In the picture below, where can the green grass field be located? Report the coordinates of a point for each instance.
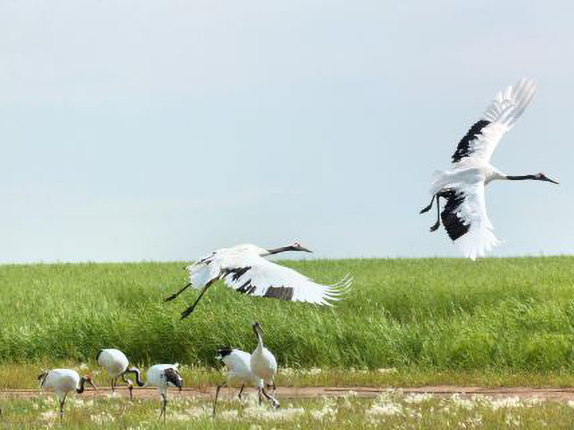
(419, 316)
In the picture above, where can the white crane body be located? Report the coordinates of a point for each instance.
(163, 376)
(464, 216)
(63, 382)
(238, 371)
(117, 365)
(264, 366)
(243, 269)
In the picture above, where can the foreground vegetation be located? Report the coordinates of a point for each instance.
(504, 316)
(392, 410)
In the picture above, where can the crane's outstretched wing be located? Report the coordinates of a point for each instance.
(500, 116)
(204, 271)
(465, 219)
(263, 278)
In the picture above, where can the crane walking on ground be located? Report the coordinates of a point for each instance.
(63, 382)
(117, 365)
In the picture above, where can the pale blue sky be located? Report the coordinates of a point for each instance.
(161, 130)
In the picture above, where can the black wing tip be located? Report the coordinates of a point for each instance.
(99, 353)
(281, 293)
(463, 148)
(453, 224)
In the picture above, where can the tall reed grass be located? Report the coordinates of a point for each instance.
(443, 314)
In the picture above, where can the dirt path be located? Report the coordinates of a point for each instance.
(556, 394)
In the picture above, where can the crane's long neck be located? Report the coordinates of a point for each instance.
(521, 177)
(138, 374)
(82, 385)
(278, 250)
(259, 339)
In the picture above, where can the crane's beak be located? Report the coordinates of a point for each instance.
(93, 385)
(257, 327)
(550, 180)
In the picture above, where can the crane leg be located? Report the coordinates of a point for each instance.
(223, 384)
(437, 224)
(429, 207)
(241, 391)
(173, 296)
(62, 402)
(260, 395)
(163, 407)
(189, 310)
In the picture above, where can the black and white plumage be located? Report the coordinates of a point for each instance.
(264, 366)
(464, 216)
(238, 371)
(63, 382)
(244, 269)
(117, 365)
(163, 376)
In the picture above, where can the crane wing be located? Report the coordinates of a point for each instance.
(480, 141)
(466, 221)
(205, 270)
(263, 278)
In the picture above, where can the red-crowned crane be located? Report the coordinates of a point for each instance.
(117, 365)
(464, 215)
(238, 365)
(264, 366)
(244, 269)
(62, 382)
(163, 376)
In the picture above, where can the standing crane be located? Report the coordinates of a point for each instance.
(264, 366)
(117, 365)
(62, 382)
(244, 269)
(238, 365)
(464, 215)
(163, 376)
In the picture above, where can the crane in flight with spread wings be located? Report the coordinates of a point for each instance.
(464, 215)
(244, 269)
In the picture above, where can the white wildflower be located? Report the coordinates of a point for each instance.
(418, 398)
(261, 413)
(389, 408)
(328, 412)
(102, 418)
(461, 402)
(506, 402)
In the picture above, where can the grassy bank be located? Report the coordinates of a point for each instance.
(499, 315)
